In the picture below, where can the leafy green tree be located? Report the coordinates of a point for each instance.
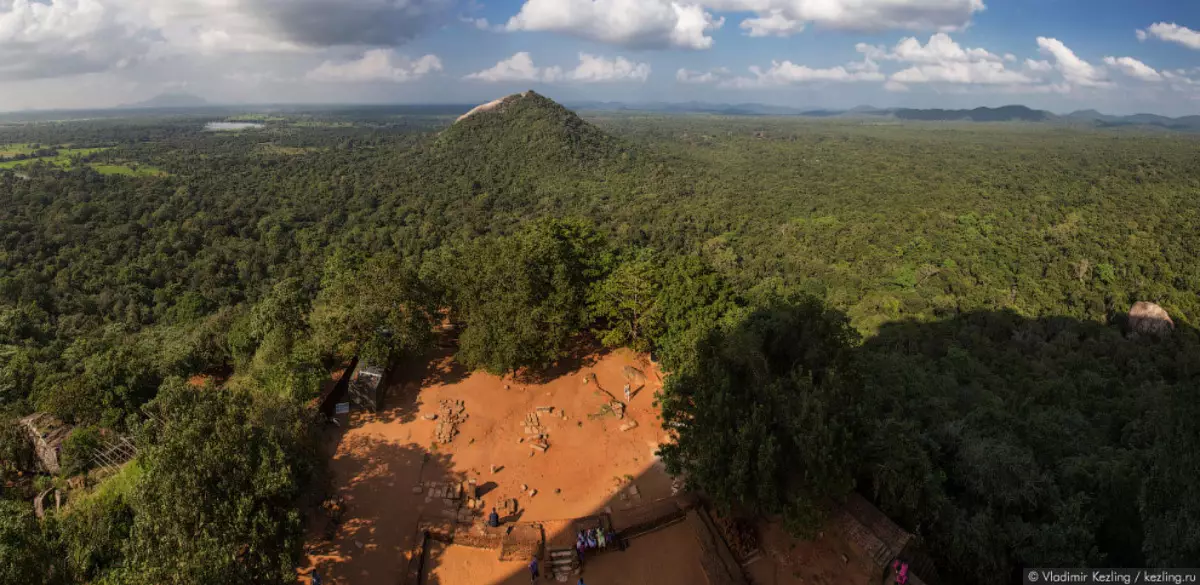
(765, 418)
(523, 297)
(95, 529)
(78, 449)
(216, 502)
(626, 302)
(692, 301)
(377, 309)
(16, 451)
(27, 552)
(1170, 498)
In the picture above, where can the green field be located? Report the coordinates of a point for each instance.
(66, 155)
(14, 149)
(63, 159)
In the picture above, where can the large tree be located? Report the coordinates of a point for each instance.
(523, 297)
(377, 309)
(765, 416)
(627, 303)
(217, 500)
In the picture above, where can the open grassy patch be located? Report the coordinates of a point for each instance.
(130, 169)
(67, 156)
(15, 149)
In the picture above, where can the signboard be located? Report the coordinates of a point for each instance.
(341, 408)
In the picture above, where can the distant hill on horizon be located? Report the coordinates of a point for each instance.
(1010, 113)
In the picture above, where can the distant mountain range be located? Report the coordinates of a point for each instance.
(1013, 113)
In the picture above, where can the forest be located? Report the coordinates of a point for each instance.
(931, 314)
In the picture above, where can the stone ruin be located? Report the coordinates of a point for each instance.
(451, 413)
(535, 433)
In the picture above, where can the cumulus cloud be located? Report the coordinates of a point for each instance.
(519, 67)
(376, 65)
(855, 15)
(1173, 33)
(940, 49)
(1133, 68)
(66, 37)
(773, 25)
(52, 38)
(591, 69)
(788, 73)
(649, 24)
(1074, 70)
(1039, 66)
(688, 23)
(941, 60)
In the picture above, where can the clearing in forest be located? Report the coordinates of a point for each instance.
(556, 447)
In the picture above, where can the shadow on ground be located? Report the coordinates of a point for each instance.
(368, 538)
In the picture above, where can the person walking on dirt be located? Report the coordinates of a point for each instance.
(494, 519)
(316, 579)
(533, 570)
(628, 394)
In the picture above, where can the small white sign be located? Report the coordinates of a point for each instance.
(341, 408)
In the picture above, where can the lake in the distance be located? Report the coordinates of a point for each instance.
(228, 126)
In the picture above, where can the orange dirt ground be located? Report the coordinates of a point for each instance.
(378, 459)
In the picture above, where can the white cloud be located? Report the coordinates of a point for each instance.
(1074, 70)
(376, 65)
(630, 23)
(687, 24)
(54, 38)
(941, 60)
(591, 69)
(66, 37)
(1171, 32)
(788, 73)
(940, 49)
(519, 67)
(698, 77)
(1039, 66)
(773, 25)
(860, 15)
(1133, 68)
(977, 72)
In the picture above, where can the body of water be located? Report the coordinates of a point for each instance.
(227, 126)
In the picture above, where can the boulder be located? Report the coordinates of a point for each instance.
(1149, 319)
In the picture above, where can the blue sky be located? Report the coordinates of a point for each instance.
(1118, 56)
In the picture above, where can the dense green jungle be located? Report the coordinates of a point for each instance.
(931, 314)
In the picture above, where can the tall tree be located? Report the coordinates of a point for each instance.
(765, 416)
(522, 297)
(217, 499)
(377, 309)
(627, 304)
